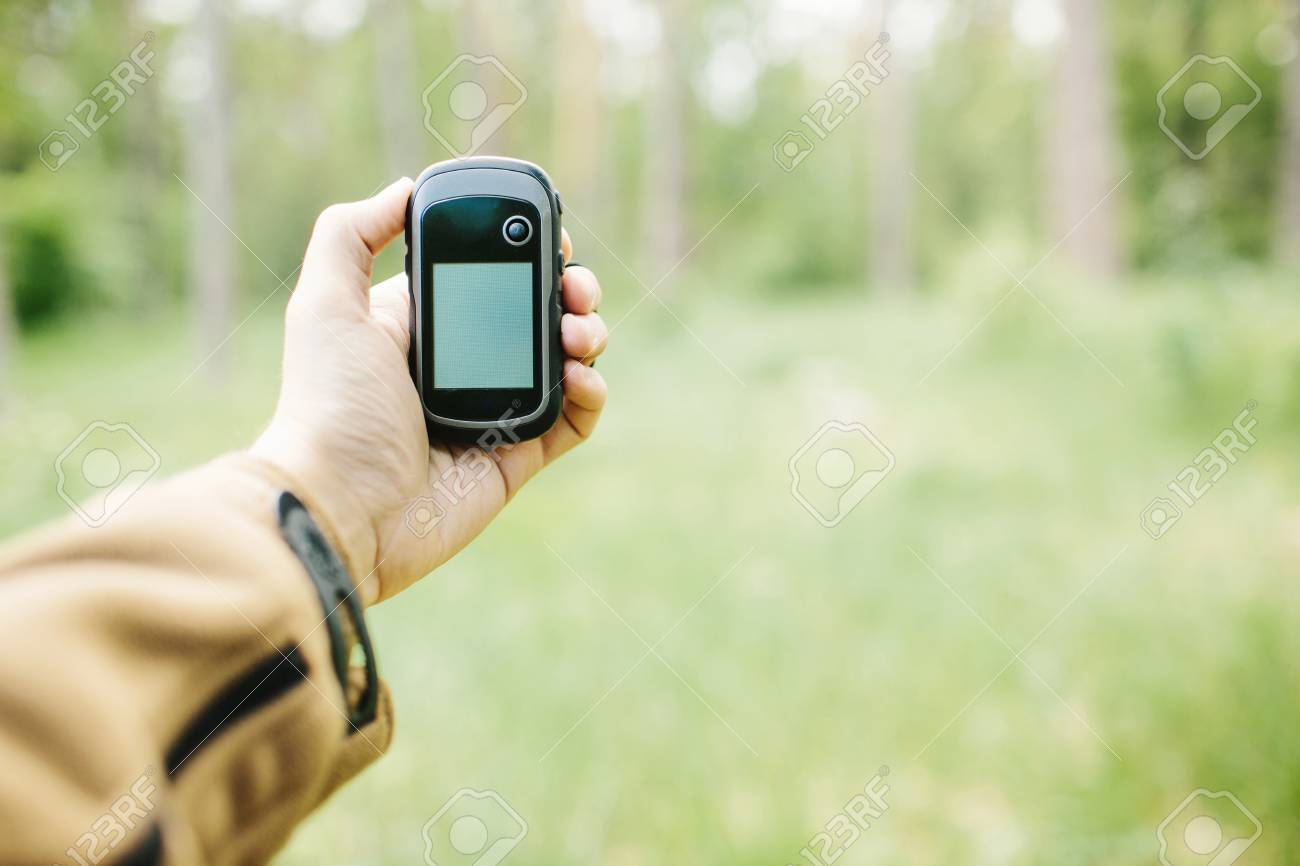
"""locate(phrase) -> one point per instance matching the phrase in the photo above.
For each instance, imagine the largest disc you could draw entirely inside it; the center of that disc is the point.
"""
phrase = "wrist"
(298, 468)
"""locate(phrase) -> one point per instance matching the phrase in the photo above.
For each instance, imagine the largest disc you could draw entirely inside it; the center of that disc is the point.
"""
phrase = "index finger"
(581, 290)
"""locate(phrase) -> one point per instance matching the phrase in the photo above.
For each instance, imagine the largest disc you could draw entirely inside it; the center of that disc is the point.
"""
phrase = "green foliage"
(1022, 463)
(1189, 215)
(44, 275)
(305, 132)
(1022, 468)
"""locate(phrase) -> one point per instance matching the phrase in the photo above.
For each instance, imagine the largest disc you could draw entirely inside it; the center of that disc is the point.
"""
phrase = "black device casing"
(508, 179)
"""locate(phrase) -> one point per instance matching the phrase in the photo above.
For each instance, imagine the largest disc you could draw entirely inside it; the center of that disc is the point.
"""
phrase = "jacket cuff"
(352, 539)
(344, 617)
(307, 530)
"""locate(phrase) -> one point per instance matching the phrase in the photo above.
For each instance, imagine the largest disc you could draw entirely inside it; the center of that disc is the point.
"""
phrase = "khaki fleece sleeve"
(167, 693)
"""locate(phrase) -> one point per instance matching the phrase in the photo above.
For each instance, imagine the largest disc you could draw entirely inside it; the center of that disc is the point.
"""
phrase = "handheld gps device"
(484, 263)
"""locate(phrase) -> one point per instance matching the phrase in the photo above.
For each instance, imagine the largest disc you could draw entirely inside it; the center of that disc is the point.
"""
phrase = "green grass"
(1022, 468)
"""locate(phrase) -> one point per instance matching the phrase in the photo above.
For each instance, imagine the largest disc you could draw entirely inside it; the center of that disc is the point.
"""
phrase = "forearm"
(167, 678)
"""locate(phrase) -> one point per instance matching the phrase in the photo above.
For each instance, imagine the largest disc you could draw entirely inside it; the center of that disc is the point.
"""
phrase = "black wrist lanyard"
(337, 593)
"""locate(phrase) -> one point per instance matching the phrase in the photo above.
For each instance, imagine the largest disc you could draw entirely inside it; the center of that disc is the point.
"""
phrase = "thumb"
(345, 241)
(390, 304)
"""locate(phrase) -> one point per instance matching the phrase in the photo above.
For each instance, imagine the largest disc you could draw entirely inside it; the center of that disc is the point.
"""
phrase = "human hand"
(349, 427)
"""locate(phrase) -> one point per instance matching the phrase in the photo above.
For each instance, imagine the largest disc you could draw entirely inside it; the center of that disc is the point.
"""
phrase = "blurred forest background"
(998, 260)
(654, 119)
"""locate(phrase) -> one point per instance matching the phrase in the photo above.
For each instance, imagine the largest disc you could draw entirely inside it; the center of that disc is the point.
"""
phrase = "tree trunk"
(395, 94)
(891, 190)
(471, 34)
(145, 167)
(576, 110)
(208, 169)
(485, 34)
(1287, 246)
(7, 334)
(1083, 148)
(665, 132)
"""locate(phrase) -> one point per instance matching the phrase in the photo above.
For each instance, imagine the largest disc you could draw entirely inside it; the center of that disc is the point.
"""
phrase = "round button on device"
(517, 231)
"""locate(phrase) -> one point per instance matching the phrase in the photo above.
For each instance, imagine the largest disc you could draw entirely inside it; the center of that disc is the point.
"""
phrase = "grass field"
(797, 660)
